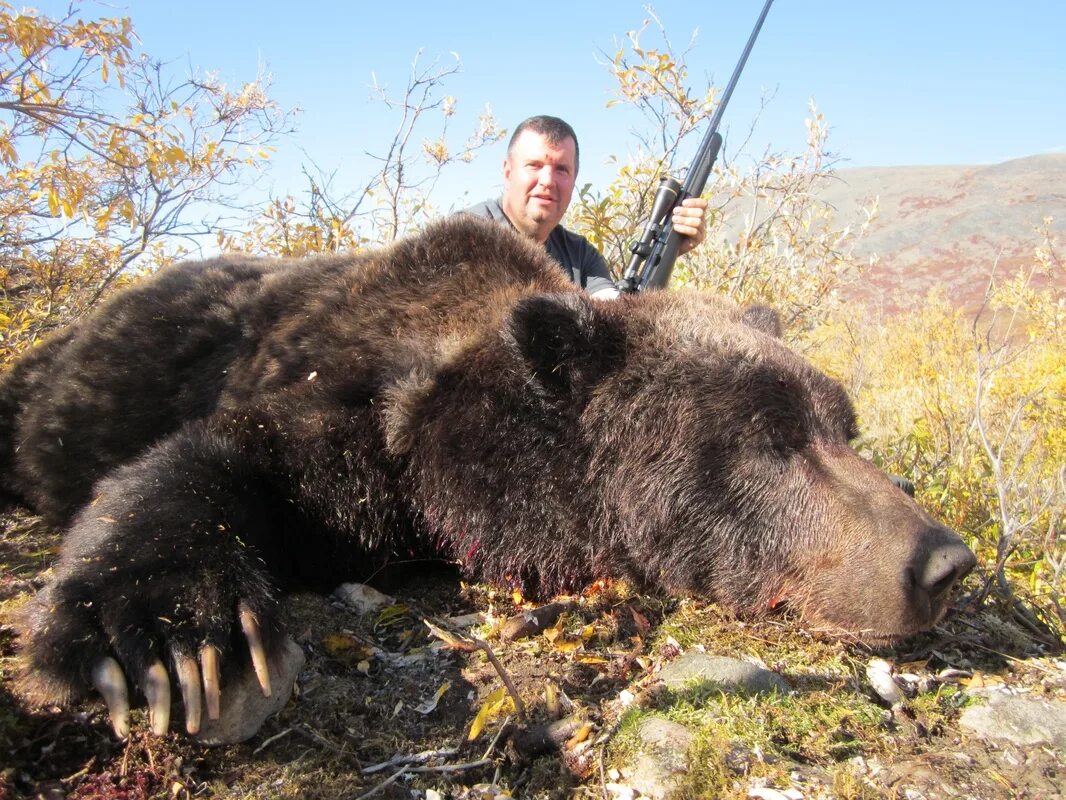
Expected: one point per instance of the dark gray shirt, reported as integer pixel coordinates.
(578, 259)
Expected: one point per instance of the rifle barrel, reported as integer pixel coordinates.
(716, 120)
(656, 251)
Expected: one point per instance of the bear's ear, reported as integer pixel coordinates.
(779, 411)
(566, 340)
(763, 318)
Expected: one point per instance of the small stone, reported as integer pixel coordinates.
(728, 673)
(879, 673)
(362, 599)
(661, 758)
(244, 708)
(1020, 720)
(766, 793)
(739, 760)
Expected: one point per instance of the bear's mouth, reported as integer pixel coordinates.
(791, 606)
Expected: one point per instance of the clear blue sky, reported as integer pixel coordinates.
(899, 82)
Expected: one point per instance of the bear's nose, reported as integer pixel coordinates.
(942, 565)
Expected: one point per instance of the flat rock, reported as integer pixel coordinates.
(730, 674)
(1019, 719)
(660, 759)
(361, 598)
(244, 708)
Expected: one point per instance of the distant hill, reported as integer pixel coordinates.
(945, 226)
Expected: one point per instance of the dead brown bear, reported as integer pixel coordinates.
(228, 431)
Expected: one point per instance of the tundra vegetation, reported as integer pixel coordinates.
(111, 167)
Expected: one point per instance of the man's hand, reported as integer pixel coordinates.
(688, 220)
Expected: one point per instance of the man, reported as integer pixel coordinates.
(539, 173)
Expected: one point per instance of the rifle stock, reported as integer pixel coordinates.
(655, 253)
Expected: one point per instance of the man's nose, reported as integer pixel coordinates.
(546, 176)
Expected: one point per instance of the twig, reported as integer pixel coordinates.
(481, 762)
(388, 781)
(336, 748)
(80, 773)
(271, 740)
(520, 708)
(496, 738)
(407, 760)
(469, 644)
(125, 757)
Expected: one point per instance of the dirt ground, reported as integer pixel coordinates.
(384, 708)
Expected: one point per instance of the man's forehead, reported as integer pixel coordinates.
(532, 144)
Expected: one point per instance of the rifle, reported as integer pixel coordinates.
(655, 252)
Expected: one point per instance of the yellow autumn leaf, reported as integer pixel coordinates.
(429, 705)
(175, 155)
(491, 708)
(336, 643)
(390, 615)
(590, 659)
(551, 699)
(566, 645)
(451, 639)
(980, 680)
(580, 735)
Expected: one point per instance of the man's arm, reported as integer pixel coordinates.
(599, 283)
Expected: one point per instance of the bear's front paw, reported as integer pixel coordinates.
(130, 644)
(198, 678)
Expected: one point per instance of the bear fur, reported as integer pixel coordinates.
(228, 431)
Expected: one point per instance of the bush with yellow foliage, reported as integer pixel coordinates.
(107, 163)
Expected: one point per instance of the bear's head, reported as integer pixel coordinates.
(674, 440)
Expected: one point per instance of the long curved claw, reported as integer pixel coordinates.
(209, 668)
(255, 647)
(157, 692)
(189, 681)
(108, 680)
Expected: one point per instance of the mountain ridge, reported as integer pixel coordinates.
(948, 226)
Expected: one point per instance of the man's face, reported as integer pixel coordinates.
(538, 180)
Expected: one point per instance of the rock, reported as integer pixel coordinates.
(728, 673)
(547, 738)
(244, 708)
(361, 598)
(879, 673)
(530, 623)
(661, 758)
(1018, 719)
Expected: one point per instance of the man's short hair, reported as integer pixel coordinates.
(553, 129)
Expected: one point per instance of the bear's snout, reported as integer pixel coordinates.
(942, 562)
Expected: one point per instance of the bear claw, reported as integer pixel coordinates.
(189, 682)
(209, 668)
(255, 646)
(192, 677)
(157, 693)
(108, 680)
